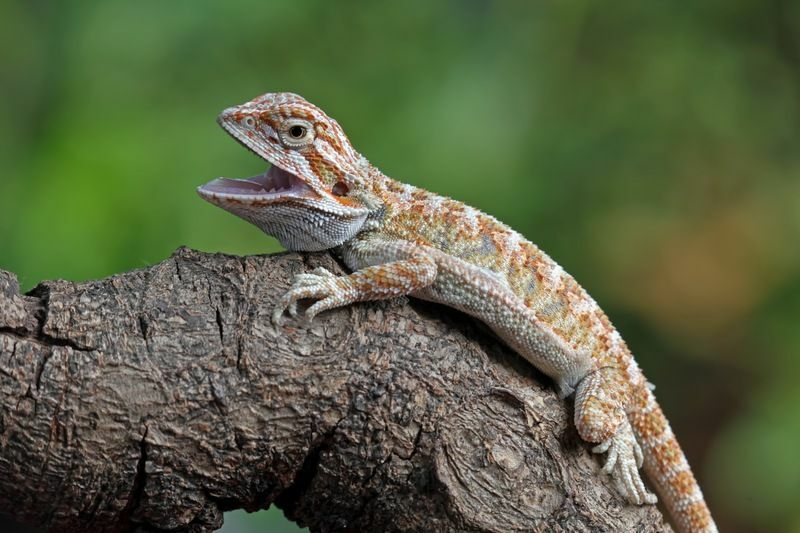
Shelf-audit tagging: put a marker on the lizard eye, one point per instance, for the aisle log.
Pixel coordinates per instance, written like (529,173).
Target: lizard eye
(340,189)
(297,133)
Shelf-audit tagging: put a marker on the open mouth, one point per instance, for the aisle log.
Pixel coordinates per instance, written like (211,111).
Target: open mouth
(273,184)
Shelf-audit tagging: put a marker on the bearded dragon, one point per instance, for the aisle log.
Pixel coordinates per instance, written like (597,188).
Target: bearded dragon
(397,239)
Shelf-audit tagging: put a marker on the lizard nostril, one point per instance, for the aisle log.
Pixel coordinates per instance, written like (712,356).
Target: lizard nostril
(340,189)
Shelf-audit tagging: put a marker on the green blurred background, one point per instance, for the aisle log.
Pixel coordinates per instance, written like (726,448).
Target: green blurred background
(652,148)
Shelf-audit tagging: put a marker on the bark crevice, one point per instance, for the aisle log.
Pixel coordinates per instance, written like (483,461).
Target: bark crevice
(137,488)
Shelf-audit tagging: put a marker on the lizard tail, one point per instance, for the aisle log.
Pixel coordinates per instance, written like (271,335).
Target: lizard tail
(667,468)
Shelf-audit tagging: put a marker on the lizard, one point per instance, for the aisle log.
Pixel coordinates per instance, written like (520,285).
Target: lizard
(397,239)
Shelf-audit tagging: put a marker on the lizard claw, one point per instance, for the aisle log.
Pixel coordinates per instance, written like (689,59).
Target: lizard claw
(319,284)
(277,316)
(624,459)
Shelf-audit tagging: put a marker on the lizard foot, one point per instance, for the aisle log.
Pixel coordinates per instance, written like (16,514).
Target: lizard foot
(623,463)
(329,289)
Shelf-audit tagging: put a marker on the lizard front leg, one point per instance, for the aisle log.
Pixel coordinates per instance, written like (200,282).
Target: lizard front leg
(394,268)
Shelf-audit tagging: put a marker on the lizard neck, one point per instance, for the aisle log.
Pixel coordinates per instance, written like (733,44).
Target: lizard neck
(382,198)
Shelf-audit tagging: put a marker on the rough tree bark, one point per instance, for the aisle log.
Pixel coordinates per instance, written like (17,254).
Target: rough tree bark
(160,398)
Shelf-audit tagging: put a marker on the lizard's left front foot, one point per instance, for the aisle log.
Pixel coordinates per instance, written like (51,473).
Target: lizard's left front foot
(623,463)
(329,289)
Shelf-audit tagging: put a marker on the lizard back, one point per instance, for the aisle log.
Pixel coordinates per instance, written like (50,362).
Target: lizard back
(534,277)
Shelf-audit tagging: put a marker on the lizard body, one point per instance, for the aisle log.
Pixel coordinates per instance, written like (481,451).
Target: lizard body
(402,240)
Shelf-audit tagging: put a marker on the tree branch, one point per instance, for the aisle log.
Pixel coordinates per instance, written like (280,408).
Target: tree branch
(160,398)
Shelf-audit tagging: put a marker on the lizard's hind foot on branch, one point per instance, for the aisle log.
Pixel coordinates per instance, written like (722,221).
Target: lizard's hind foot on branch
(623,463)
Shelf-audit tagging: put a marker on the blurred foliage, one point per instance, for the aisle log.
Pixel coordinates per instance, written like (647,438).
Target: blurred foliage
(652,148)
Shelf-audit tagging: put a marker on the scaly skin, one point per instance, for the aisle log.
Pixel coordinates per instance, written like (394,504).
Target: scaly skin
(402,240)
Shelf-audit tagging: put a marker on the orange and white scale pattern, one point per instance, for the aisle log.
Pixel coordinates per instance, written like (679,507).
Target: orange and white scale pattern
(402,240)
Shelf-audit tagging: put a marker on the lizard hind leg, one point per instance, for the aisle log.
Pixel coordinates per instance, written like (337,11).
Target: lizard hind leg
(600,418)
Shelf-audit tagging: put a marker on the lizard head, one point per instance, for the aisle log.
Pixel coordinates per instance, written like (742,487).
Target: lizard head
(312,197)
